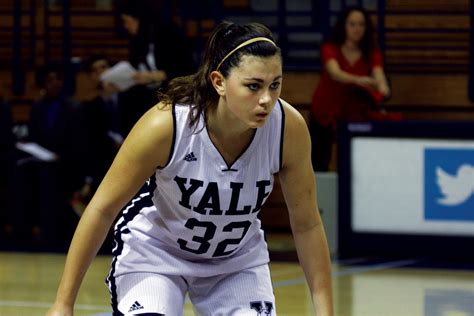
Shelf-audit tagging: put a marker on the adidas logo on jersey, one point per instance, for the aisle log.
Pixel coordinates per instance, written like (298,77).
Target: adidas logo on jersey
(190,157)
(136,306)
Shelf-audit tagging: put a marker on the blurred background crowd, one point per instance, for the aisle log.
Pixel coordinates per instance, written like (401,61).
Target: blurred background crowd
(391,61)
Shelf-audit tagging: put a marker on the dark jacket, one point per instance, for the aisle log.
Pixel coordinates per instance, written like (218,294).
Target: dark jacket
(6,135)
(58,126)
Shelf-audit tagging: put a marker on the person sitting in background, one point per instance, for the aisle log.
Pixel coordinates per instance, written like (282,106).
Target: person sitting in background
(159,51)
(352,80)
(107,98)
(101,117)
(55,124)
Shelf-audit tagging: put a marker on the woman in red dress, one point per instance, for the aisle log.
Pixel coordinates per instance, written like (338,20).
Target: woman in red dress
(352,79)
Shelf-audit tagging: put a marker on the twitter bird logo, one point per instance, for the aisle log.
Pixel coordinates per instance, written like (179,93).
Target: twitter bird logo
(456,189)
(449,184)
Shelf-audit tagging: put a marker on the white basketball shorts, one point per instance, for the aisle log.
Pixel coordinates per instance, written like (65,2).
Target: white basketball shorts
(244,293)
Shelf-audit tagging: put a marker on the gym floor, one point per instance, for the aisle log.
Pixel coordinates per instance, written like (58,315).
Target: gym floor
(362,286)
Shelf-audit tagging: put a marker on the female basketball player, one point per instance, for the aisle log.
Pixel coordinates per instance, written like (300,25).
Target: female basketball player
(207,155)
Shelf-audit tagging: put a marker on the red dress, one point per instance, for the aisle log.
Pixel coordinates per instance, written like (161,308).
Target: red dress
(335,101)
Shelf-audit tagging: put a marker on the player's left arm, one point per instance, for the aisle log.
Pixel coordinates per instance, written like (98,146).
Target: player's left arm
(299,189)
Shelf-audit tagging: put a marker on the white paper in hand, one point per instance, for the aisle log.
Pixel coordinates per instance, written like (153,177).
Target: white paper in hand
(37,151)
(120,75)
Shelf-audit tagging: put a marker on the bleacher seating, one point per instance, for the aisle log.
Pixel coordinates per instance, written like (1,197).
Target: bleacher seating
(426,47)
(427,36)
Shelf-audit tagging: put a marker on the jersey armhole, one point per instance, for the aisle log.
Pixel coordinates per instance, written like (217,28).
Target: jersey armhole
(282,135)
(173,142)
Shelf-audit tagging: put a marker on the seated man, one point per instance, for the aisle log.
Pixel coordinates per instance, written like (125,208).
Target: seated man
(101,116)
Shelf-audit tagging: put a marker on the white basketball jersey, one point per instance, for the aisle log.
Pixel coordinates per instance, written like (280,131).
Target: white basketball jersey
(197,215)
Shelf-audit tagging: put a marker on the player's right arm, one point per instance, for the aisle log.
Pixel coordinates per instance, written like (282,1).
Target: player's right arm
(147,147)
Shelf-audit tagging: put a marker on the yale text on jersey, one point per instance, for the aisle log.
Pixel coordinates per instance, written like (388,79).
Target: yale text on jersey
(210,202)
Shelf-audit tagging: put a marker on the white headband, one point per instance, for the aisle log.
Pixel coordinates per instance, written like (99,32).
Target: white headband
(247,42)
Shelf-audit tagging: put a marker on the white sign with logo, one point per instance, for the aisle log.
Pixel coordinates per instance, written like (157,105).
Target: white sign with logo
(412,186)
